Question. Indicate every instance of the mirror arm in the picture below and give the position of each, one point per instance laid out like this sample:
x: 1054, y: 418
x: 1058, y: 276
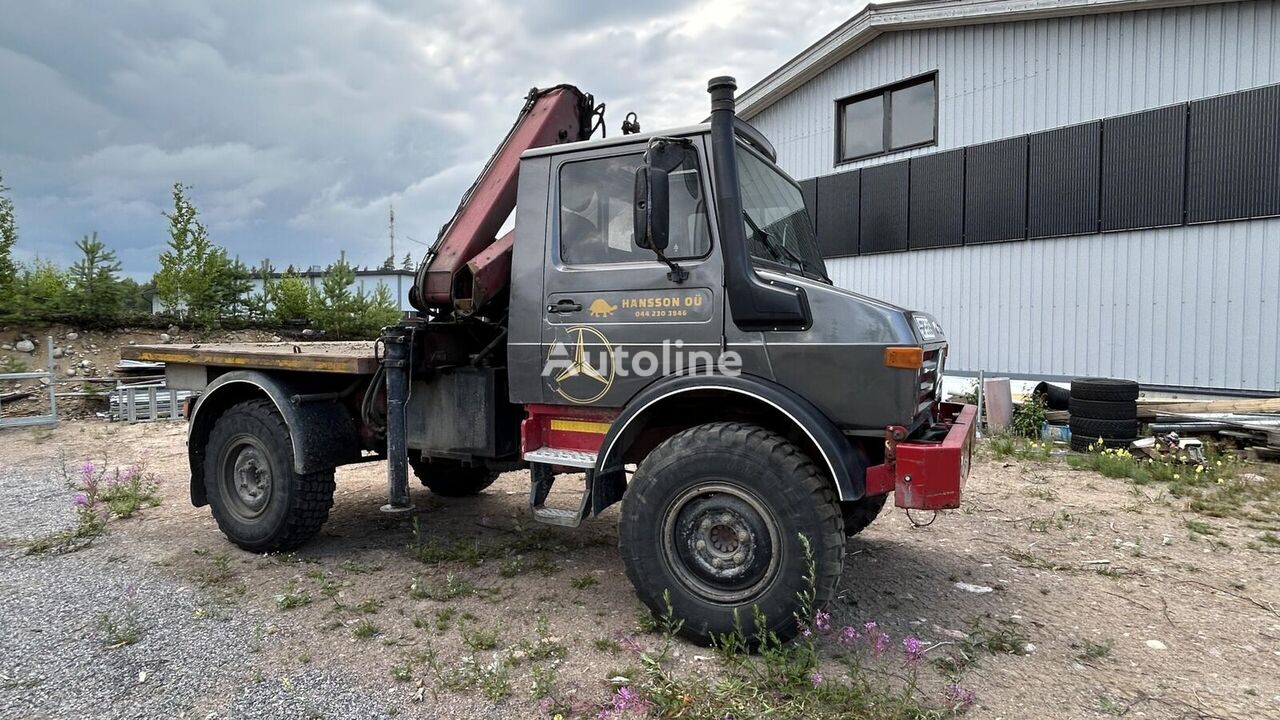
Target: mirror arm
x: 677, y: 274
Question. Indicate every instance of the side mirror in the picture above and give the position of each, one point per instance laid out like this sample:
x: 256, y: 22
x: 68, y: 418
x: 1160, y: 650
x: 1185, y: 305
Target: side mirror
x: 652, y: 208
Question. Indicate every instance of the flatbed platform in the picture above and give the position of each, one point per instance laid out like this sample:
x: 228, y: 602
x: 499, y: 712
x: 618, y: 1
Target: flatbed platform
x: 345, y: 358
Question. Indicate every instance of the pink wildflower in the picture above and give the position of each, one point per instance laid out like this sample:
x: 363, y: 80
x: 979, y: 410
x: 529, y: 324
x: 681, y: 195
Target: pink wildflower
x: 959, y: 698
x: 816, y: 678
x: 914, y: 650
x: 848, y: 634
x: 879, y: 643
x: 822, y: 620
x: 80, y: 500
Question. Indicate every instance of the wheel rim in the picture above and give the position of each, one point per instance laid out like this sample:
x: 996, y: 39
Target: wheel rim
x: 720, y: 541
x: 247, y: 478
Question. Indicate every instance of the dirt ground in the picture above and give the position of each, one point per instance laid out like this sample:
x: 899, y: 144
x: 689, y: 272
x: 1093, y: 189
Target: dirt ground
x: 1123, y: 610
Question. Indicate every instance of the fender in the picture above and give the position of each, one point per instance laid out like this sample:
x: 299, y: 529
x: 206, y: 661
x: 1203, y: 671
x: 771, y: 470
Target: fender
x: 840, y: 459
x: 321, y: 430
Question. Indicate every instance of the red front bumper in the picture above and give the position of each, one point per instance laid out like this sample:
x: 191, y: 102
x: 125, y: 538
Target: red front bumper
x: 927, y: 475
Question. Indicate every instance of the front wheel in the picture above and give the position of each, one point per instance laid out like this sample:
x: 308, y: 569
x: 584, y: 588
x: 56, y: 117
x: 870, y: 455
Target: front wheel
x: 714, y: 518
x: 257, y: 499
x: 449, y: 478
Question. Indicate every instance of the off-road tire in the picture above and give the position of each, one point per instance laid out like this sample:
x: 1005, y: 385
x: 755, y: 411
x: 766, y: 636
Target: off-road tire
x: 1104, y: 428
x: 1084, y: 443
x: 736, y: 476
x: 1103, y: 410
x: 1106, y: 389
x: 452, y: 479
x: 297, y: 504
x: 860, y: 513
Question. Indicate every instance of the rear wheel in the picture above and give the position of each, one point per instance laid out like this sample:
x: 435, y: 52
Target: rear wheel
x: 713, y: 516
x: 257, y: 499
x: 449, y: 478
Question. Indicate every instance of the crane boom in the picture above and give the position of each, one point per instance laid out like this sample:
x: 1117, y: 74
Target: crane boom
x: 448, y: 277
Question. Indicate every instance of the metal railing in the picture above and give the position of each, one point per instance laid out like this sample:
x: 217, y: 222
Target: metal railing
x: 146, y: 402
x: 50, y: 374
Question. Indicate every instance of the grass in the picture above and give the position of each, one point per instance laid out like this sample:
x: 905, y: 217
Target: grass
x: 89, y: 525
x: 292, y: 597
x: 1090, y: 650
x: 1005, y: 637
x: 584, y: 582
x: 1004, y: 446
x: 364, y: 629
x: 1199, y: 527
x: 454, y: 587
x: 124, y: 628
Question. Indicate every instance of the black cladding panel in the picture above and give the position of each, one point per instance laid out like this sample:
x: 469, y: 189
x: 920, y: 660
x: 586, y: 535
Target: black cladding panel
x: 1233, y: 156
x: 937, y: 200
x: 837, y: 220
x: 995, y: 191
x: 883, y: 226
x: 1143, y: 156
x: 808, y: 192
x: 1062, y: 181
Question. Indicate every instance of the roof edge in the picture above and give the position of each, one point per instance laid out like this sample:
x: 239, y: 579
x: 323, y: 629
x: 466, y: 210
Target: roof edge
x: 879, y: 18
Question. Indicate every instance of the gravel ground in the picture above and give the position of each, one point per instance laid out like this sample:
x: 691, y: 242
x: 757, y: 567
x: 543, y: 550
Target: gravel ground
x: 1183, y: 605
x: 56, y: 660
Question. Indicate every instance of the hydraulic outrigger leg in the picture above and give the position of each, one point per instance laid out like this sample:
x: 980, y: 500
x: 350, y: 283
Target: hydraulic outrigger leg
x: 397, y: 342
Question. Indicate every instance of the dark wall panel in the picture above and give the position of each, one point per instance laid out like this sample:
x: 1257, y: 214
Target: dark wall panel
x: 937, y: 200
x: 809, y: 192
x: 1062, y: 181
x: 1233, y: 156
x: 837, y: 220
x: 883, y: 226
x: 1142, y: 169
x: 995, y: 191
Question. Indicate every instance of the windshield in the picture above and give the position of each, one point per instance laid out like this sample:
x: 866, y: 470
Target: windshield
x: 777, y: 224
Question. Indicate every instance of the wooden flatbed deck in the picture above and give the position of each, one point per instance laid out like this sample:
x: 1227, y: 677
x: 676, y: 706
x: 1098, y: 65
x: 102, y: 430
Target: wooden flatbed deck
x: 347, y: 358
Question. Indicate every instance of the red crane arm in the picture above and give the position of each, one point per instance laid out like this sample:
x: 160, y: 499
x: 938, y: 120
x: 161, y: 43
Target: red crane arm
x: 559, y: 114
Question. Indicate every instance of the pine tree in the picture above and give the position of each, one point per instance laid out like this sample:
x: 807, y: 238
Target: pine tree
x: 175, y: 263
x: 408, y: 262
x: 95, y: 291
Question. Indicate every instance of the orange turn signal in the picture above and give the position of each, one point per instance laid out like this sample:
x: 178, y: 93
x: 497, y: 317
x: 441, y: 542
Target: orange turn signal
x: 907, y: 358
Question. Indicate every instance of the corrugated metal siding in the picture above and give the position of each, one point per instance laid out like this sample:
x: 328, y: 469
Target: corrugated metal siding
x: 995, y: 81
x: 1195, y: 306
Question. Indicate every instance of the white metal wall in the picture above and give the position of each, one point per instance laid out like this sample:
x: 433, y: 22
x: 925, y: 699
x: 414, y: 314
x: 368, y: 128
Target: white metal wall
x: 1194, y: 306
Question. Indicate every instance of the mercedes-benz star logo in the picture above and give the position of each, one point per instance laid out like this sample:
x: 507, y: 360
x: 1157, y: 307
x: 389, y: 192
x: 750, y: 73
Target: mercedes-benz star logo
x: 593, y: 381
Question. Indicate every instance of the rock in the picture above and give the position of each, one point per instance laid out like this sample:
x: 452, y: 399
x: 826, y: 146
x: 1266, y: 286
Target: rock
x: 6, y: 346
x: 132, y: 342
x: 308, y: 332
x: 969, y: 587
x: 73, y: 335
x: 164, y: 338
x: 25, y: 346
x: 173, y: 329
x: 1156, y: 645
x: 86, y: 364
x: 58, y: 352
x: 276, y: 338
x: 71, y: 372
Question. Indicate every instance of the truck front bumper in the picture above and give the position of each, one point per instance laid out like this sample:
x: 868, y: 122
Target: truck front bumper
x: 927, y: 474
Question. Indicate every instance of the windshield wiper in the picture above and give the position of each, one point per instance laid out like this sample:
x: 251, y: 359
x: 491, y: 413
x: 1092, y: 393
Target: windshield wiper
x: 777, y: 249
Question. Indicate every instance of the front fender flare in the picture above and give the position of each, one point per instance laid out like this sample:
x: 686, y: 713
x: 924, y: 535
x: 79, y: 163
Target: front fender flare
x: 321, y: 430
x: 839, y: 458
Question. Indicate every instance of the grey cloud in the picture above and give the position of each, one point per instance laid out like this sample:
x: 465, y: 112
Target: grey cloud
x: 298, y: 122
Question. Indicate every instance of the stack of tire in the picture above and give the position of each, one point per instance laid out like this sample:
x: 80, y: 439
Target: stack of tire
x: 1103, y: 409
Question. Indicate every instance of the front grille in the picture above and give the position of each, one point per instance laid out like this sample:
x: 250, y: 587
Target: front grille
x: 930, y: 379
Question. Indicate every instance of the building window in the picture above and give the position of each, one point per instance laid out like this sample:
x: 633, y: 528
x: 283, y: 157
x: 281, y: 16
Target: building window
x: 894, y: 117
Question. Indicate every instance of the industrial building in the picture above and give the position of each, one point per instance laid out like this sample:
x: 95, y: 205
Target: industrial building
x: 1073, y: 187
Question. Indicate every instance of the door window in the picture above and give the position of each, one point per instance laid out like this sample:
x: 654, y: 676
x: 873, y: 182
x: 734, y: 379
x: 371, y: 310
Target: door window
x: 596, y: 220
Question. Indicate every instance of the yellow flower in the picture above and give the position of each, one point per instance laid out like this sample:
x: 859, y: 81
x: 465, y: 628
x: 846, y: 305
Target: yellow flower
x: 1199, y: 469
x: 1176, y: 476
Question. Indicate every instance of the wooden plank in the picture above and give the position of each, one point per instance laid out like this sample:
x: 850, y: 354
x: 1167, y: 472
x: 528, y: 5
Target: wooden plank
x: 350, y: 358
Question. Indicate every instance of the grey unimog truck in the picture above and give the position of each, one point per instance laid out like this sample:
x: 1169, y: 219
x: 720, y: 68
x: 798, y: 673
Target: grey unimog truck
x: 659, y: 323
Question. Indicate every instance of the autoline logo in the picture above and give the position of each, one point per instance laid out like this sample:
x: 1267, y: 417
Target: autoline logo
x: 583, y: 367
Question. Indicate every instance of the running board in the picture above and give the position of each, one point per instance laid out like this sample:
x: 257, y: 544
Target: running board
x: 541, y: 478
x: 566, y: 458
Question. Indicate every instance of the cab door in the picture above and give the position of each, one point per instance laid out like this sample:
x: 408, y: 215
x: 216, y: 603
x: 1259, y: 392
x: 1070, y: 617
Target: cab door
x: 614, y: 320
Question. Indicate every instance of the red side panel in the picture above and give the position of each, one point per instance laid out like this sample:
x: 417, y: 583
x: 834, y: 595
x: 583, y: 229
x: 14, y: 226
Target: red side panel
x: 550, y: 117
x: 564, y: 427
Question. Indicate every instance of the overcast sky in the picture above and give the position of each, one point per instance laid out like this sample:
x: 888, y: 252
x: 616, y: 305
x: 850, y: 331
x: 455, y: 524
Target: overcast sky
x: 298, y: 123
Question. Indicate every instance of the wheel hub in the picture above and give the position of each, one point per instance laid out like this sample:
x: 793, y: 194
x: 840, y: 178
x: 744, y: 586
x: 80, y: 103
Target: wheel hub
x: 720, y: 542
x: 247, y: 477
